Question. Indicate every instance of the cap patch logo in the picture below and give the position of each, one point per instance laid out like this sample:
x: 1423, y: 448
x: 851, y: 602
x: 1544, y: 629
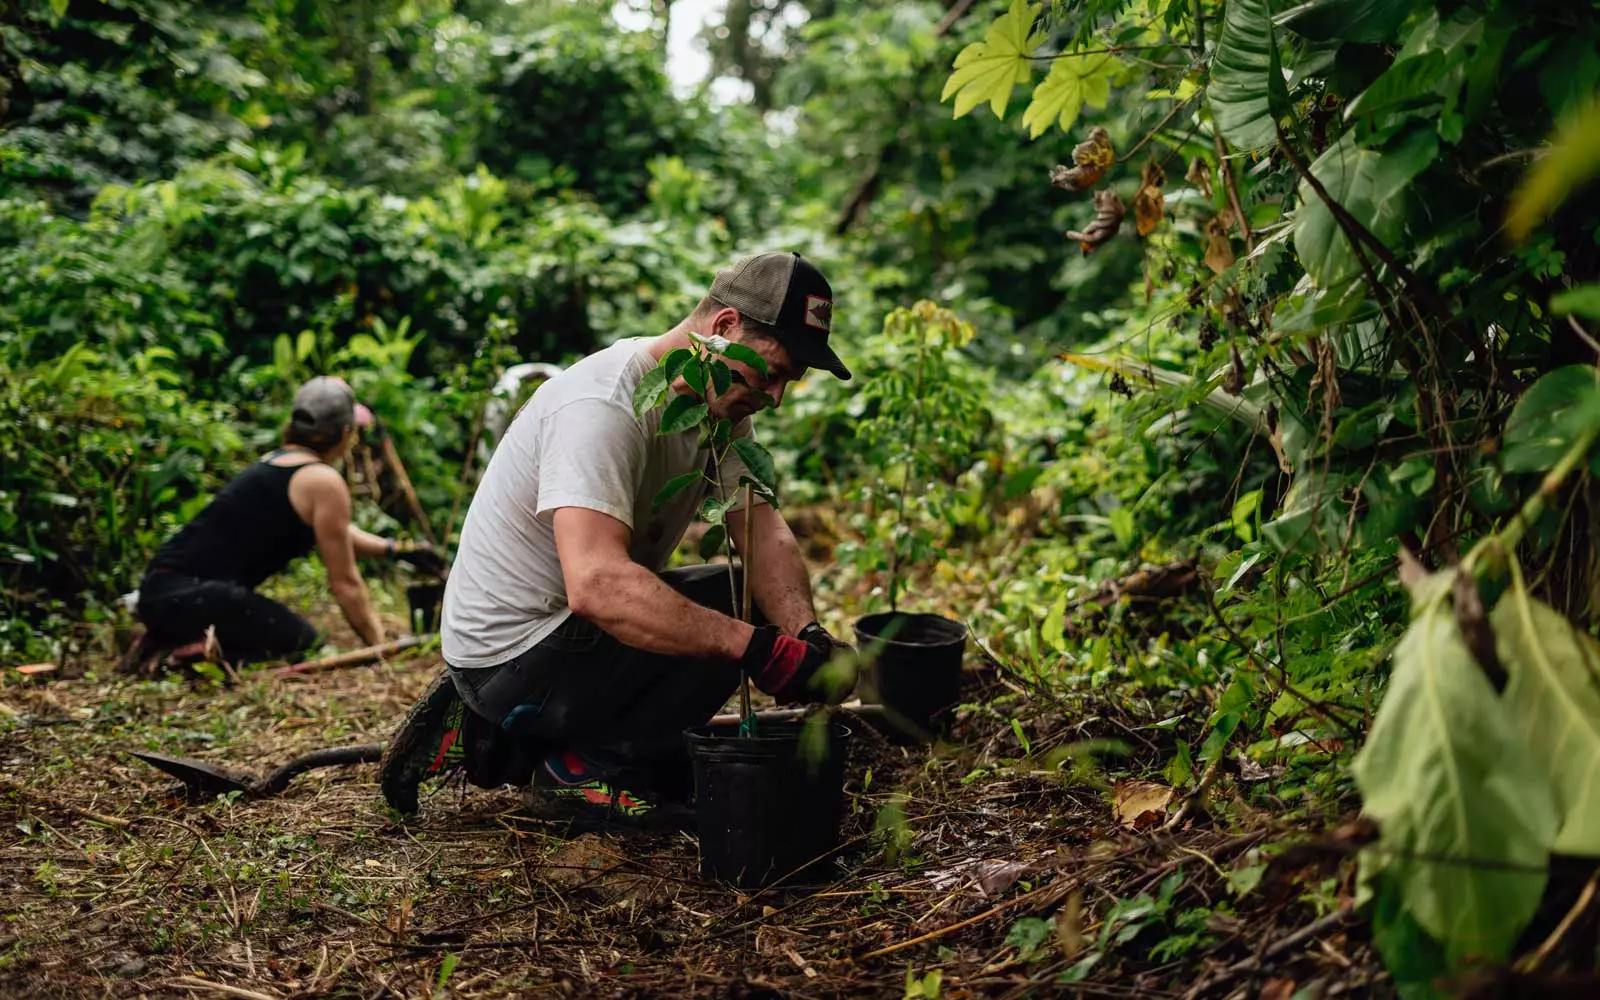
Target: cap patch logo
x: 819, y: 312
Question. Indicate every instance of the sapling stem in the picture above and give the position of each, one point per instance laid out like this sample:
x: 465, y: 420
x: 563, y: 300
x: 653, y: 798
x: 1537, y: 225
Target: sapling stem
x: 1489, y: 556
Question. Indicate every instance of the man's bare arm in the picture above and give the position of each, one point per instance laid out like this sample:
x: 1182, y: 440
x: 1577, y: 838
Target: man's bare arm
x: 630, y: 602
x: 780, y: 584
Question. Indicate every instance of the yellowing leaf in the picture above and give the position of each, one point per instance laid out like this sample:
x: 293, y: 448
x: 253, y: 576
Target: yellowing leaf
x: 1074, y: 81
x: 987, y: 70
x: 1573, y: 159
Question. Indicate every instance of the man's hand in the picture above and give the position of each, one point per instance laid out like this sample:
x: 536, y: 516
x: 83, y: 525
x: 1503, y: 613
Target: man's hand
x: 422, y: 557
x: 837, y: 678
x: 781, y: 665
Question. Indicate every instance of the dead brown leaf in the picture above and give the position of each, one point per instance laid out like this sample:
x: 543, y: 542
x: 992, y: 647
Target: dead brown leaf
x: 1091, y: 159
x: 1139, y: 805
x: 1219, y: 253
x: 1108, y: 213
x: 1199, y: 175
x: 1069, y: 926
x: 1276, y: 988
x: 1148, y: 203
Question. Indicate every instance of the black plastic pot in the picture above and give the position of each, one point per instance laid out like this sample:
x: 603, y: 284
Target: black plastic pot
x: 914, y: 670
x: 768, y: 806
x: 424, y: 599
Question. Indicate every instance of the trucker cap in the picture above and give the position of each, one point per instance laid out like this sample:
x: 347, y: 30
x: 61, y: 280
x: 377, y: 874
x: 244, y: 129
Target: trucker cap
x: 325, y: 406
x: 787, y: 292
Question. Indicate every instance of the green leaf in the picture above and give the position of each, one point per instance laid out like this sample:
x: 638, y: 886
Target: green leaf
x: 1371, y: 186
x: 721, y: 377
x: 758, y: 460
x: 306, y: 343
x: 1581, y: 301
x: 446, y: 968
x: 682, y: 413
x: 1549, y: 417
x: 674, y: 361
x: 694, y: 374
x: 987, y: 70
x: 651, y: 391
x: 1446, y: 776
x: 1411, y: 81
x: 59, y: 9
x: 283, y: 356
x: 1369, y: 21
x: 674, y: 486
x: 1573, y: 159
x: 1555, y: 704
x: 1074, y: 81
x: 1247, y: 92
x: 711, y: 542
x: 745, y: 355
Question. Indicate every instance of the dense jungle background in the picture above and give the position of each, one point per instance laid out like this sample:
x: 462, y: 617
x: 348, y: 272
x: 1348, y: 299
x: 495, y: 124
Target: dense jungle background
x: 1228, y: 367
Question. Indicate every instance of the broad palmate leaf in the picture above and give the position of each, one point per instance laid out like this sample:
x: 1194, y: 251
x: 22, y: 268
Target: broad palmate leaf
x: 1466, y: 811
x: 1074, y: 81
x: 1555, y: 704
x: 1247, y: 91
x: 987, y: 70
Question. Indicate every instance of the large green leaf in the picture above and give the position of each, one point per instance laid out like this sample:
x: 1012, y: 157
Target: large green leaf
x: 1550, y: 417
x: 1371, y: 186
x: 674, y: 486
x: 988, y: 70
x: 1347, y: 20
x: 1247, y: 92
x: 1581, y: 301
x: 1073, y: 82
x: 682, y: 414
x: 1554, y: 699
x: 756, y: 458
x: 739, y: 352
x: 651, y: 390
x: 1466, y: 812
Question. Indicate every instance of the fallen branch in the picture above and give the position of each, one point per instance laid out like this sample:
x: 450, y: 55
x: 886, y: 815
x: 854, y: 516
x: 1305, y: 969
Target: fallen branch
x: 392, y: 459
x: 355, y: 657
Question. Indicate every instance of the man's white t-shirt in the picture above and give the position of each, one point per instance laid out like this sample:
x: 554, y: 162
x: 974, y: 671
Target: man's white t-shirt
x: 576, y: 443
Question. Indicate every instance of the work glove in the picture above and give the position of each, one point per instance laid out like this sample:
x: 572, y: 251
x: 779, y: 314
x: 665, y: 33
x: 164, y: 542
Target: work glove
x: 781, y: 665
x: 422, y: 557
x: 838, y: 677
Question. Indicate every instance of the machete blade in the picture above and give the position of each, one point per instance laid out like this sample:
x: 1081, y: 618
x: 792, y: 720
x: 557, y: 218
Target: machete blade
x: 201, y: 780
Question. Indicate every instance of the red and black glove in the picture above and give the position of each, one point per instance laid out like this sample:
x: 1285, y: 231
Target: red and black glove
x: 781, y: 665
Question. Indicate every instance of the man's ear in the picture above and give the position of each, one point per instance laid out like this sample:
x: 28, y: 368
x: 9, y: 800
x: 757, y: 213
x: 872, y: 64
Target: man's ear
x: 725, y: 323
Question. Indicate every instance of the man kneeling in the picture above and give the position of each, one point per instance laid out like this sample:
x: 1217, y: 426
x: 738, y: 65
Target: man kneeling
x: 569, y: 660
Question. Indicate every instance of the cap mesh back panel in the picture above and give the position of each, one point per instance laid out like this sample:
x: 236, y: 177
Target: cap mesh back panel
x: 756, y: 285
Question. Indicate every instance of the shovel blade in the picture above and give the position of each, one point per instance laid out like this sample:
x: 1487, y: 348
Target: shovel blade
x: 201, y: 779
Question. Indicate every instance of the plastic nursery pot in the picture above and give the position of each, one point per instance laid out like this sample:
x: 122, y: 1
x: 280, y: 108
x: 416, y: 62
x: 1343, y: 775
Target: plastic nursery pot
x: 768, y: 806
x: 915, y: 670
x: 424, y: 599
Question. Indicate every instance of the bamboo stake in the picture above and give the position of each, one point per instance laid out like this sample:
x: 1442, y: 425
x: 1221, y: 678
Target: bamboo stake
x: 392, y: 459
x: 355, y: 657
x: 747, y: 719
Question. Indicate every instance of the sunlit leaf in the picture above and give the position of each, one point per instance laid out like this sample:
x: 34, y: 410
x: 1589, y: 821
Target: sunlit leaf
x: 1372, y: 187
x: 1573, y: 159
x: 988, y: 70
x: 1073, y: 83
x: 1581, y: 301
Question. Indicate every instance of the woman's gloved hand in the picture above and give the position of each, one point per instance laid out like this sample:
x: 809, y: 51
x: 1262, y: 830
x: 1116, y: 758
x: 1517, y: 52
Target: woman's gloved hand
x: 422, y: 557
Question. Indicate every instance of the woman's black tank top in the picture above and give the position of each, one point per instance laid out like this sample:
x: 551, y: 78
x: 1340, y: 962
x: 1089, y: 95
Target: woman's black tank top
x: 248, y: 531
